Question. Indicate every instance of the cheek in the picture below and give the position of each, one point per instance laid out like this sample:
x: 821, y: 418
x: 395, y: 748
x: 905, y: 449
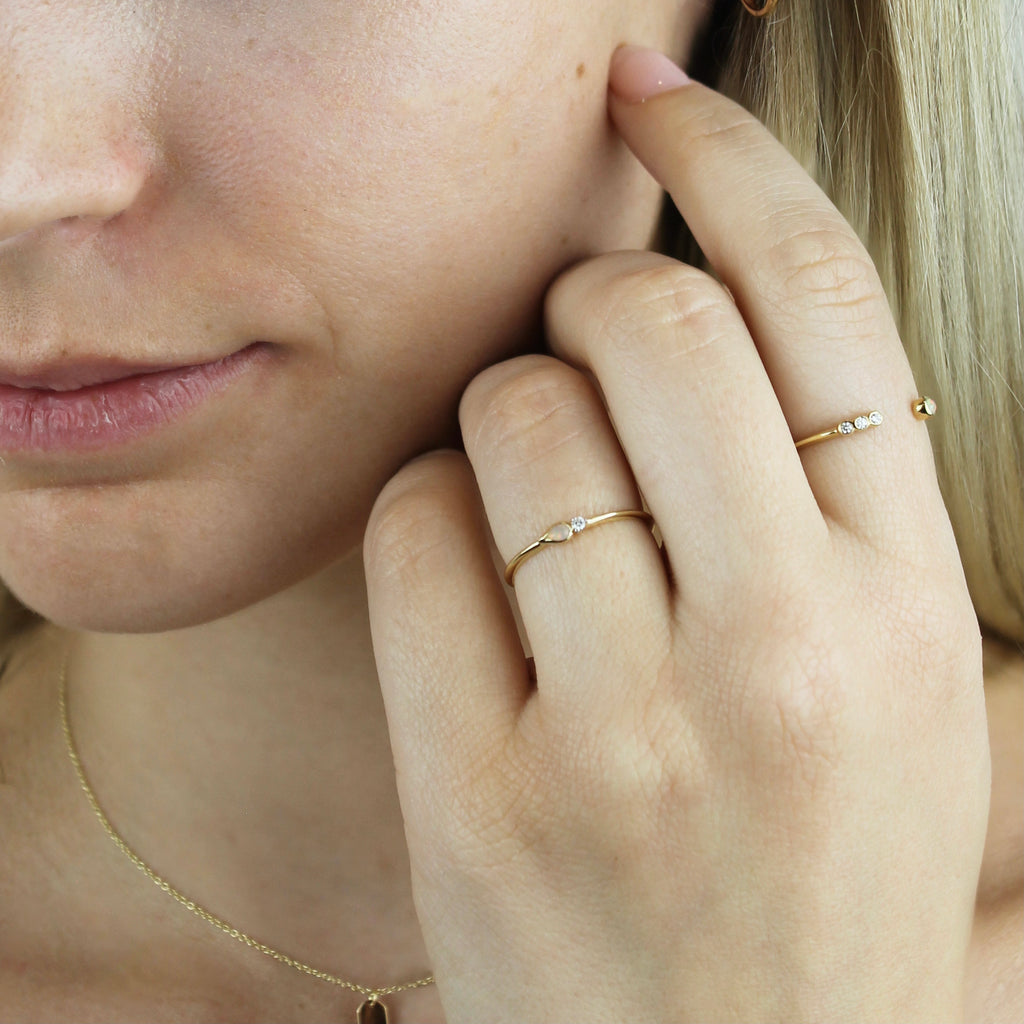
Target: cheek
x: 423, y: 175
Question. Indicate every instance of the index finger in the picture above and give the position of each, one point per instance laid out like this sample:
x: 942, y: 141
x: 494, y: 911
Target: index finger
x: 802, y: 279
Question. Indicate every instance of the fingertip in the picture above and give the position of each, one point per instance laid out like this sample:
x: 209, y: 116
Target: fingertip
x: 637, y: 73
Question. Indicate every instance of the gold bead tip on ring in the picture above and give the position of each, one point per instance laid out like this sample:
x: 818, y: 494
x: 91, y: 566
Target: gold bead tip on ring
x: 564, y: 531
x: 925, y: 408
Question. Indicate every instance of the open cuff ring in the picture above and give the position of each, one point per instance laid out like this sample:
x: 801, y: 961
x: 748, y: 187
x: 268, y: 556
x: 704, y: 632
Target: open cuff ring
x: 923, y: 408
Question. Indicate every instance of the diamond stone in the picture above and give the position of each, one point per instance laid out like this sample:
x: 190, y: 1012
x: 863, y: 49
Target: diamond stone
x: 577, y: 523
x: 876, y: 418
x: 861, y: 423
x: 846, y: 427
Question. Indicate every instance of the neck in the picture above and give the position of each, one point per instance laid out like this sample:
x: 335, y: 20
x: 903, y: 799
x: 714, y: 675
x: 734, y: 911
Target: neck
x: 247, y: 760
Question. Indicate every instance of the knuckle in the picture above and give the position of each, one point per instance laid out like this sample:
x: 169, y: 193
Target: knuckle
x: 411, y: 519
x: 479, y: 821
x: 532, y: 413
x: 644, y: 755
x: 500, y: 809
x: 825, y: 268
x: 657, y: 722
x: 790, y: 707
x: 663, y: 294
x: 808, y: 701
x: 727, y: 124
x: 658, y: 313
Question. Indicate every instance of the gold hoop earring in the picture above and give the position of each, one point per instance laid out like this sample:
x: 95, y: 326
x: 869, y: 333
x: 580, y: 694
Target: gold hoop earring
x: 766, y: 7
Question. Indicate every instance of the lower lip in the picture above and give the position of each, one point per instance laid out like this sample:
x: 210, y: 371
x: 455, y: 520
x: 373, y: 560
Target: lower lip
x: 35, y: 419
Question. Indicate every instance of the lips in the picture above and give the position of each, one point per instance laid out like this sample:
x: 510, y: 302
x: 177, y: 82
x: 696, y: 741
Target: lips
x: 71, y: 376
x: 95, y: 405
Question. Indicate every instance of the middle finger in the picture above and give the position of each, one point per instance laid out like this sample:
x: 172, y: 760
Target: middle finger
x: 697, y: 417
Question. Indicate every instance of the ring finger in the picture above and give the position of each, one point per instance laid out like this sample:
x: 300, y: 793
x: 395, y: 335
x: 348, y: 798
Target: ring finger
x: 544, y: 451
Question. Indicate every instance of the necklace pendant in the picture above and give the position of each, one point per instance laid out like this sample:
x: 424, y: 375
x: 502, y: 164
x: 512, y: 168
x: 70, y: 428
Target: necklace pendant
x: 372, y: 1011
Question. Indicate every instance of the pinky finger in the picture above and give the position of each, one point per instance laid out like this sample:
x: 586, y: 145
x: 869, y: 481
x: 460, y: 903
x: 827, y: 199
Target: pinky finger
x: 452, y: 669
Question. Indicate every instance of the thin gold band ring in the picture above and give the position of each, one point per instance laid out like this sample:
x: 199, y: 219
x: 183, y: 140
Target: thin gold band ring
x: 562, y: 532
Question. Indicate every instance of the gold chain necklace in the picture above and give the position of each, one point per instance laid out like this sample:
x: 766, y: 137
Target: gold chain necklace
x: 371, y: 1010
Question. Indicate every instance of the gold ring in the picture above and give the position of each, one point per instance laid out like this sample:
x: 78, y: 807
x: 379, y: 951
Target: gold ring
x: 923, y: 408
x: 561, y: 532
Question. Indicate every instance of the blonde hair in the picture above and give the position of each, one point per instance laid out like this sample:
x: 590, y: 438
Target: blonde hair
x: 910, y: 116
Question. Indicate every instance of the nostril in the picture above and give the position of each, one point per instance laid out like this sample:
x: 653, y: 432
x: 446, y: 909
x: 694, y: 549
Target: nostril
x: 77, y: 225
x: 69, y: 197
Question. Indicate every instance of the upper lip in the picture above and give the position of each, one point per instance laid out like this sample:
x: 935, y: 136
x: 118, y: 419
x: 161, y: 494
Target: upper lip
x: 72, y: 374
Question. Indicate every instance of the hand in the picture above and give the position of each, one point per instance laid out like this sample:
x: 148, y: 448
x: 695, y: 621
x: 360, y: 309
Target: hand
x: 750, y: 779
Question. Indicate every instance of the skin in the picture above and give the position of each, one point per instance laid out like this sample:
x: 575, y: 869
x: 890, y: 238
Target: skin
x: 279, y: 173
x: 286, y: 216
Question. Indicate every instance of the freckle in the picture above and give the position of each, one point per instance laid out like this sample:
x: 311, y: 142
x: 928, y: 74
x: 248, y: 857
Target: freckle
x: 581, y: 70
x: 250, y: 42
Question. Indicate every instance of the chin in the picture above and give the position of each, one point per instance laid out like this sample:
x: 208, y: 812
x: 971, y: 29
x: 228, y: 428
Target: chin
x: 96, y: 609
x: 117, y: 573
x: 109, y: 598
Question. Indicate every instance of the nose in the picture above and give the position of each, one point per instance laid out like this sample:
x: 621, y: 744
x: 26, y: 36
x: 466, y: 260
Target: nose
x: 67, y: 151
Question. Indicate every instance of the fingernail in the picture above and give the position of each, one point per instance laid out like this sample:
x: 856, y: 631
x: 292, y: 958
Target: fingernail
x: 637, y: 73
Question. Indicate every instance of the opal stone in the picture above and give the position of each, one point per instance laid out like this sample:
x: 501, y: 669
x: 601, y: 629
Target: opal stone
x: 559, y: 532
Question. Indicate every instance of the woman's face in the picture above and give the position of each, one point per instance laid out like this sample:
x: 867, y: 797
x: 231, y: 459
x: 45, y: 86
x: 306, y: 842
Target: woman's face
x: 379, y: 189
